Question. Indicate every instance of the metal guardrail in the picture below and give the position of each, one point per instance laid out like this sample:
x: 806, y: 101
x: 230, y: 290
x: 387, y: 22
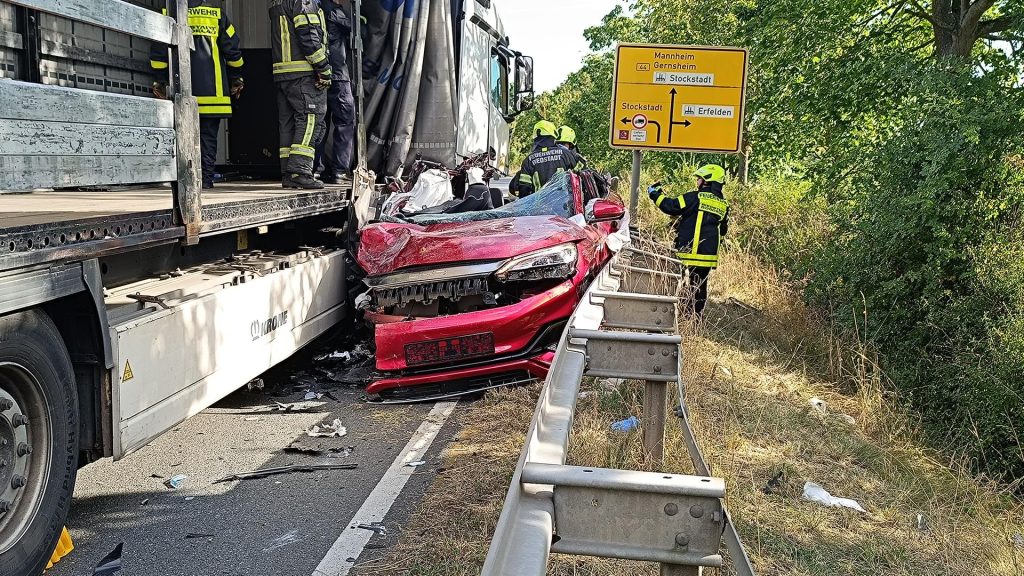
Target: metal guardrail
x: 676, y: 520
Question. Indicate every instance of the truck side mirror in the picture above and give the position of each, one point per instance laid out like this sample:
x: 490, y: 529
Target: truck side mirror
x: 524, y: 84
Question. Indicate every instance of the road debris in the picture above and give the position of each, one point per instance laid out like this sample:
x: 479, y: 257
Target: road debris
x: 252, y: 419
x: 311, y: 395
x: 255, y: 384
x: 815, y: 493
x: 848, y: 419
x: 774, y: 486
x: 375, y: 527
x: 111, y: 563
x: 627, y: 425
x: 332, y: 430
x: 175, y: 482
x: 195, y: 535
x: 284, y: 470
x: 144, y: 502
x: 416, y: 464
x: 818, y: 405
x: 922, y: 523
x: 291, y: 537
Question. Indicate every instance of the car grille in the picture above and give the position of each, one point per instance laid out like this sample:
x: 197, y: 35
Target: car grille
x: 429, y: 292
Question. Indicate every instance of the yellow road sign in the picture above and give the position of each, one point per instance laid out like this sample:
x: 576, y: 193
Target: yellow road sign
x: 678, y: 98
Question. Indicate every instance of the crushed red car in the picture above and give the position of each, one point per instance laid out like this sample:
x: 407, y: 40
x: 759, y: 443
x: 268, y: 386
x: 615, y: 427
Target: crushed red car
x: 466, y: 302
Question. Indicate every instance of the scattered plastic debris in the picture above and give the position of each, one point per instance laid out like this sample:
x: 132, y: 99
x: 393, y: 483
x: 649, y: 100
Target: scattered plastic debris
x: 774, y: 486
x: 629, y: 424
x: 332, y: 430
x: 725, y: 370
x: 282, y: 541
x: 284, y: 470
x: 189, y: 498
x: 848, y: 419
x: 819, y: 405
x: 175, y: 482
x: 311, y: 395
x: 364, y: 301
x: 111, y: 563
x: 144, y: 502
x: 416, y: 464
x: 194, y: 535
x: 255, y: 384
x: 815, y: 493
x: 252, y: 419
x: 375, y: 527
x: 609, y: 382
x: 922, y: 523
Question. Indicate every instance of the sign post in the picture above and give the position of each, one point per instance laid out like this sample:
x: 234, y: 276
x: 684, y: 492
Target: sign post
x: 677, y: 99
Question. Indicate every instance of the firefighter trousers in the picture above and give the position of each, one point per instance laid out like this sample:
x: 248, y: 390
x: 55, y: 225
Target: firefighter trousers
x: 209, y: 129
x: 695, y: 295
x: 300, y: 109
x: 336, y: 159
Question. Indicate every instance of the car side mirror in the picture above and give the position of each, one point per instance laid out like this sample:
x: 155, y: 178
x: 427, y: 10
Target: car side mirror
x: 599, y: 210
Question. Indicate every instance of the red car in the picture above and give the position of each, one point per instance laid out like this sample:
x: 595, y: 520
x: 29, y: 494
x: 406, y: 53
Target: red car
x: 461, y: 303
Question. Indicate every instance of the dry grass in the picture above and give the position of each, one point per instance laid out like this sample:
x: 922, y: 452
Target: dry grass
x: 751, y: 368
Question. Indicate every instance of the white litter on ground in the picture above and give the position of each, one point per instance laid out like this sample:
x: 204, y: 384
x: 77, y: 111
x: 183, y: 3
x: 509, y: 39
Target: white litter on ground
x: 815, y: 493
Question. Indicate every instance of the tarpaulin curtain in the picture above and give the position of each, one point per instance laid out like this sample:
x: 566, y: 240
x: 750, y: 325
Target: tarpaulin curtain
x: 409, y: 71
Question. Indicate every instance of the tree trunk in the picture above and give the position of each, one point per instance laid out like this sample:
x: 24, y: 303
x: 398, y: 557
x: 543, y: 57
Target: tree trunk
x: 957, y: 25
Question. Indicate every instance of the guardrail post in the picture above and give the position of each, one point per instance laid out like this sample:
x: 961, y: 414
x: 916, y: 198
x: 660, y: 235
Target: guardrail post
x: 675, y: 570
x: 653, y: 419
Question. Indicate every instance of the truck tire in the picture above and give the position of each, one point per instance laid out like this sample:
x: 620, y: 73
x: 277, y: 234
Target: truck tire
x: 38, y: 441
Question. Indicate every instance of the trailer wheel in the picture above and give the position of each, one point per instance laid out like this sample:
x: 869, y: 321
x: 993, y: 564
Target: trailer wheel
x: 38, y: 441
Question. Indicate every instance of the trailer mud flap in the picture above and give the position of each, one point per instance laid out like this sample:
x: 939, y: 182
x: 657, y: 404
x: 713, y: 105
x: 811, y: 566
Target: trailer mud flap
x: 191, y: 341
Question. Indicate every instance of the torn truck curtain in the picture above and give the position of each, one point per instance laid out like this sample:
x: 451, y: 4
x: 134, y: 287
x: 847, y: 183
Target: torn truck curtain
x: 409, y: 63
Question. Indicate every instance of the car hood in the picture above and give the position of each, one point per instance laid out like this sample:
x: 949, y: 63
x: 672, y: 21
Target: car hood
x: 386, y: 248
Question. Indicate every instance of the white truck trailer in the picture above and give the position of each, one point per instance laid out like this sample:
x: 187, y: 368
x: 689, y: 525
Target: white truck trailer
x: 130, y: 299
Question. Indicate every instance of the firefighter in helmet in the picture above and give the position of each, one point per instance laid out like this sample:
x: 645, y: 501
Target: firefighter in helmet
x: 545, y: 160
x: 567, y: 139
x: 702, y: 220
x: 303, y: 74
x: 216, y: 75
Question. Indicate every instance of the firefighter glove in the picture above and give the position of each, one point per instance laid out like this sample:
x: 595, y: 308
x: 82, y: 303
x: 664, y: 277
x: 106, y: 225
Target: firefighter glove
x: 159, y: 89
x: 654, y: 191
x: 323, y: 79
x: 237, y: 86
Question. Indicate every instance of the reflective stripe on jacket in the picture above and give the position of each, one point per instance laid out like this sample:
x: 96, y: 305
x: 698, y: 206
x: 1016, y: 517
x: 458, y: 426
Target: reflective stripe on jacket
x: 703, y: 220
x: 298, y: 39
x: 217, y: 58
x: 547, y: 159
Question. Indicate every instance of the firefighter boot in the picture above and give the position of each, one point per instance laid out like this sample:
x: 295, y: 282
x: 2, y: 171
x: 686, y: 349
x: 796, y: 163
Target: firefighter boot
x: 302, y: 181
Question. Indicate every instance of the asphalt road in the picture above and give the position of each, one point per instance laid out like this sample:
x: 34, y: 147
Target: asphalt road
x: 281, y: 525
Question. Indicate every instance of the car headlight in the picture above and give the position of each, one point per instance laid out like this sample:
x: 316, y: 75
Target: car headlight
x: 557, y: 262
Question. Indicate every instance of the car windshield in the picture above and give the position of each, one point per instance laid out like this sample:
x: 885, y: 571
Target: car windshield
x: 554, y: 199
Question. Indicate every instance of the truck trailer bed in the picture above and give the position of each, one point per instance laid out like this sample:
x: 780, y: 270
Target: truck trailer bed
x: 57, y: 225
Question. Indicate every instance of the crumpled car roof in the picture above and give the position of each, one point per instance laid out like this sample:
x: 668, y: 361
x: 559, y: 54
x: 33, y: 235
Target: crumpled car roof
x: 538, y: 221
x: 554, y: 199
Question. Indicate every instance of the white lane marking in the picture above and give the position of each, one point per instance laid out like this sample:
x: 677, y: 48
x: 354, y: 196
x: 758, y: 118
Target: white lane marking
x: 353, y: 540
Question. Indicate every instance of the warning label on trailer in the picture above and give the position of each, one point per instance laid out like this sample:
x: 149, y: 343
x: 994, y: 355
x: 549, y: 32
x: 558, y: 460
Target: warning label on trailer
x: 128, y: 375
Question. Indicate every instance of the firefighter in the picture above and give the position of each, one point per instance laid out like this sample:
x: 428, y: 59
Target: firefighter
x: 545, y: 160
x: 216, y: 75
x: 337, y: 164
x: 302, y: 72
x: 567, y: 139
x: 702, y: 220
